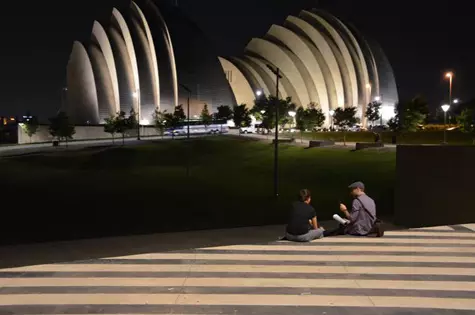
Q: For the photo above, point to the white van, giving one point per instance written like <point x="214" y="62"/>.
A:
<point x="250" y="129"/>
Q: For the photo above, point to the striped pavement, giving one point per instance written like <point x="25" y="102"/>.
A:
<point x="419" y="271"/>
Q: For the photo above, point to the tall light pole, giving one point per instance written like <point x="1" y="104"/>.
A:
<point x="187" y="110"/>
<point x="450" y="76"/>
<point x="445" y="108"/>
<point x="278" y="76"/>
<point x="187" y="128"/>
<point x="136" y="95"/>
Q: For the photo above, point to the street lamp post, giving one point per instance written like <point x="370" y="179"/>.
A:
<point x="445" y="108"/>
<point x="450" y="76"/>
<point x="276" y="71"/>
<point x="187" y="110"/>
<point x="187" y="128"/>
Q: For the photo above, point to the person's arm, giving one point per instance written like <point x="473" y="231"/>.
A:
<point x="345" y="211"/>
<point x="313" y="223"/>
<point x="355" y="209"/>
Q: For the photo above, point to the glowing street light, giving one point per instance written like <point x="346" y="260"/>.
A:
<point x="445" y="108"/>
<point x="377" y="98"/>
<point x="259" y="92"/>
<point x="456" y="101"/>
<point x="450" y="76"/>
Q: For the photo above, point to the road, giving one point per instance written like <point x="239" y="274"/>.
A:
<point x="421" y="271"/>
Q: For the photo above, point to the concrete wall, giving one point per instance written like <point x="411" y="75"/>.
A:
<point x="82" y="133"/>
<point x="435" y="185"/>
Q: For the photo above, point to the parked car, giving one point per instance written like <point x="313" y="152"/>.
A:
<point x="250" y="129"/>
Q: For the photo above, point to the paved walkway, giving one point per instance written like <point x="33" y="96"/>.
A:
<point x="422" y="271"/>
<point x="40" y="148"/>
<point x="305" y="143"/>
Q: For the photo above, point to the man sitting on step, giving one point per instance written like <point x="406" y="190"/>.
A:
<point x="361" y="220"/>
<point x="303" y="226"/>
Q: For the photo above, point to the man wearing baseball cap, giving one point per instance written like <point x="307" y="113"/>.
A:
<point x="361" y="219"/>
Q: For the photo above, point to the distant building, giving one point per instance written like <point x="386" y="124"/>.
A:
<point x="149" y="56"/>
<point x="321" y="61"/>
<point x="141" y="60"/>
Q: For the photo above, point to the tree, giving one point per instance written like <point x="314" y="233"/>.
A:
<point x="265" y="107"/>
<point x="171" y="120"/>
<point x="309" y="118"/>
<point x="121" y="124"/>
<point x="109" y="127"/>
<point x="345" y="118"/>
<point x="206" y="117"/>
<point x="466" y="120"/>
<point x="393" y="124"/>
<point x="241" y="116"/>
<point x="132" y="121"/>
<point x="302" y="121"/>
<point x="159" y="121"/>
<point x="373" y="112"/>
<point x="224" y="112"/>
<point x="410" y="114"/>
<point x="316" y="116"/>
<point x="179" y="113"/>
<point x="31" y="125"/>
<point x="61" y="128"/>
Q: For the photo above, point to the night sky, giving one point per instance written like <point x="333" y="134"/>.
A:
<point x="422" y="39"/>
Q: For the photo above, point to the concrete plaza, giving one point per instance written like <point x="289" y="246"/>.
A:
<point x="244" y="271"/>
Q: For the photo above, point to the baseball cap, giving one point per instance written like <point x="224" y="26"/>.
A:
<point x="355" y="185"/>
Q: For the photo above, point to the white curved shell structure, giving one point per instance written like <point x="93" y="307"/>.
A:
<point x="82" y="106"/>
<point x="321" y="60"/>
<point x="144" y="57"/>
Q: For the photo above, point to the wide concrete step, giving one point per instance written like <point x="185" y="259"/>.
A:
<point x="417" y="271"/>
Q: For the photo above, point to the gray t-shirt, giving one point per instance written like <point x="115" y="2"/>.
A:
<point x="362" y="221"/>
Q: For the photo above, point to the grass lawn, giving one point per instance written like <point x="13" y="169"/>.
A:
<point x="142" y="189"/>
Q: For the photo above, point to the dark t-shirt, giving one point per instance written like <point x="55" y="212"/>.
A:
<point x="299" y="216"/>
